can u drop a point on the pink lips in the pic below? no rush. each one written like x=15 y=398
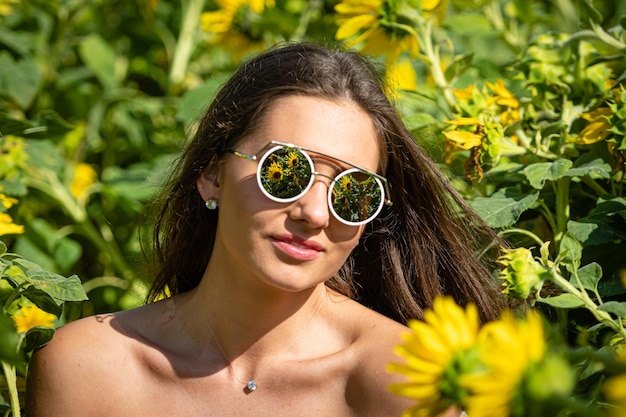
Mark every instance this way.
x=297 y=248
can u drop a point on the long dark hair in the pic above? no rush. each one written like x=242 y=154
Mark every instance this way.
x=426 y=244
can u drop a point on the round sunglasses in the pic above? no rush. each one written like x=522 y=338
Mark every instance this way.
x=286 y=172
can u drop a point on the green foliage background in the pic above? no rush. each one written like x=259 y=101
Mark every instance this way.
x=118 y=85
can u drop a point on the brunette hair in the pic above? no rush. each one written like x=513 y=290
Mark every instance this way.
x=426 y=244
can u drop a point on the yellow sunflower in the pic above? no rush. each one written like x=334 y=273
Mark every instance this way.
x=597 y=128
x=84 y=178
x=615 y=389
x=223 y=25
x=274 y=172
x=31 y=316
x=293 y=159
x=505 y=99
x=436 y=353
x=366 y=21
x=465 y=139
x=508 y=348
x=7 y=227
x=345 y=183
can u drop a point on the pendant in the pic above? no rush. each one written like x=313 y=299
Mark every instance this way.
x=251 y=385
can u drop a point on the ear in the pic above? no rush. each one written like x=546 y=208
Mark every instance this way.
x=208 y=182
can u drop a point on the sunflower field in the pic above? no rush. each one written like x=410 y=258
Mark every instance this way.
x=521 y=103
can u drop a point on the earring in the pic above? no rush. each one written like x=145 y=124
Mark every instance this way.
x=211 y=204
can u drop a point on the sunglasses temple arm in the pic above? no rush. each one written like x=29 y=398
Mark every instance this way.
x=243 y=155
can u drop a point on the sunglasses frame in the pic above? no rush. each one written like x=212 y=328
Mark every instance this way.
x=273 y=145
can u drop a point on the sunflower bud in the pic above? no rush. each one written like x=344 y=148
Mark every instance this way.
x=522 y=274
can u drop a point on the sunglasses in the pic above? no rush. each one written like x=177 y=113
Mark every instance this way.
x=286 y=172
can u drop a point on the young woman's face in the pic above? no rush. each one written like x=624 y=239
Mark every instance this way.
x=296 y=245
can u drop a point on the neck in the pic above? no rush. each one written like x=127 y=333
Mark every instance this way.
x=253 y=323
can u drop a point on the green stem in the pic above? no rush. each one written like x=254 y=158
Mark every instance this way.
x=562 y=208
x=192 y=9
x=594 y=185
x=305 y=19
x=426 y=41
x=16 y=292
x=601 y=316
x=11 y=377
x=521 y=232
x=48 y=183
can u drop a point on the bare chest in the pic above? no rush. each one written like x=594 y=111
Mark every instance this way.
x=312 y=388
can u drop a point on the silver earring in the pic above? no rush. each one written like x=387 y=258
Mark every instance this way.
x=211 y=204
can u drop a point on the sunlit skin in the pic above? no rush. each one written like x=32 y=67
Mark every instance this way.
x=259 y=294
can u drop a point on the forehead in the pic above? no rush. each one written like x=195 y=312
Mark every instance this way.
x=337 y=128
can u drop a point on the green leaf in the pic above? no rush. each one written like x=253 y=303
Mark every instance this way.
x=459 y=66
x=590 y=164
x=537 y=174
x=570 y=252
x=614 y=307
x=19 y=80
x=590 y=232
x=9 y=340
x=42 y=300
x=37 y=337
x=589 y=276
x=57 y=286
x=100 y=58
x=504 y=207
x=195 y=101
x=563 y=301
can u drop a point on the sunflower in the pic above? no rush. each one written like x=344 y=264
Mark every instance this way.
x=615 y=388
x=508 y=348
x=7 y=227
x=598 y=126
x=31 y=316
x=84 y=178
x=274 y=172
x=371 y=22
x=293 y=159
x=345 y=183
x=231 y=24
x=437 y=352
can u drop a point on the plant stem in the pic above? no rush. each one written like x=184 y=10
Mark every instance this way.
x=601 y=316
x=192 y=9
x=11 y=378
x=562 y=208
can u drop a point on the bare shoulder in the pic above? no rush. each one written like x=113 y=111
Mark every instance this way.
x=373 y=338
x=368 y=391
x=66 y=377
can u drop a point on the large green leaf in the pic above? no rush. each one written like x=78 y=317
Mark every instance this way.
x=9 y=340
x=589 y=276
x=19 y=80
x=58 y=287
x=590 y=164
x=563 y=301
x=100 y=58
x=504 y=207
x=537 y=174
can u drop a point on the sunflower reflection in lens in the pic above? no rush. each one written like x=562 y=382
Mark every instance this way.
x=356 y=196
x=285 y=173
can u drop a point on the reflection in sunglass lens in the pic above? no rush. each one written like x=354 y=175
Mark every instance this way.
x=285 y=172
x=356 y=196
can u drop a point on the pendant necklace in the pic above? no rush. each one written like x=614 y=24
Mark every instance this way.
x=252 y=385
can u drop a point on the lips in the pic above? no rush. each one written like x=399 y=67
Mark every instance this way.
x=297 y=248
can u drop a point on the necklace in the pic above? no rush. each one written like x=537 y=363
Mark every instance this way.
x=252 y=385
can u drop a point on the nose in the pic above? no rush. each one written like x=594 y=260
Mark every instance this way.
x=312 y=207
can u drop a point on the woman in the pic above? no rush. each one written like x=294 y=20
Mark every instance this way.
x=301 y=228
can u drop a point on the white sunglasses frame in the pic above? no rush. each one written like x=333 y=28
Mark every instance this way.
x=272 y=146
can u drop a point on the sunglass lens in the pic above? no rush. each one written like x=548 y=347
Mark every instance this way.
x=285 y=173
x=356 y=196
